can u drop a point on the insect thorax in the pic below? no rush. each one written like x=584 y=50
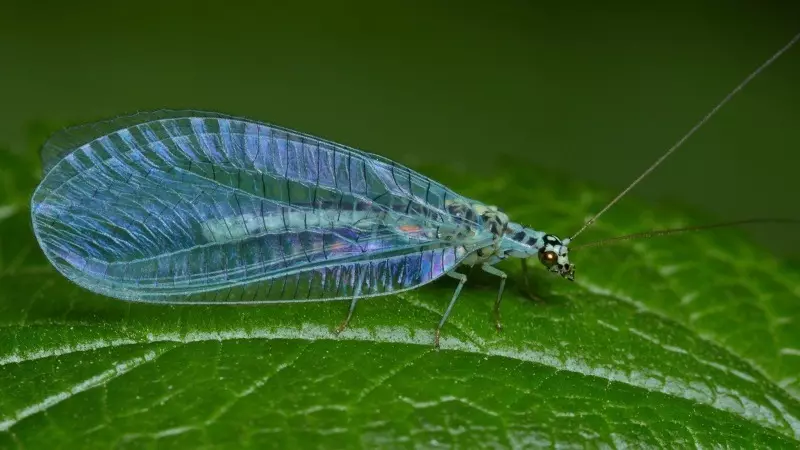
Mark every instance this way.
x=510 y=239
x=481 y=219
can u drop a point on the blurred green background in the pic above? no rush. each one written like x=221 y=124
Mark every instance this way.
x=597 y=92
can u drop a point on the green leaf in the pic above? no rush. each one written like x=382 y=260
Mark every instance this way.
x=681 y=341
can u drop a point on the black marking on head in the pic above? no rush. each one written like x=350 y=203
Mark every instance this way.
x=550 y=239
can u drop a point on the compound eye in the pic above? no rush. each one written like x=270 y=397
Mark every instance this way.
x=548 y=258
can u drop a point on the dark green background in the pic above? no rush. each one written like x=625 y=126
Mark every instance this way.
x=597 y=92
x=691 y=341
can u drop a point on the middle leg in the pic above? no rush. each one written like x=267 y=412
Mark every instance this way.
x=497 y=272
x=461 y=280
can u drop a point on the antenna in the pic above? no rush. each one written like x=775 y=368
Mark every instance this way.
x=654 y=233
x=697 y=126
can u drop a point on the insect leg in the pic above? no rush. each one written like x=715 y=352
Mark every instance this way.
x=461 y=280
x=344 y=323
x=525 y=283
x=495 y=271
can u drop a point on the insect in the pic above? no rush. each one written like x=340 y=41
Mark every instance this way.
x=195 y=207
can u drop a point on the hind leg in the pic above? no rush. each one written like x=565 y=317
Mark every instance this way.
x=346 y=320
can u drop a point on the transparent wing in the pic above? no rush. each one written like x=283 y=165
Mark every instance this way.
x=197 y=207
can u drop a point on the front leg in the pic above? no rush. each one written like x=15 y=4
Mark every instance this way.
x=495 y=271
x=525 y=283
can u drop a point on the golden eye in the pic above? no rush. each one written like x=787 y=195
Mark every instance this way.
x=548 y=258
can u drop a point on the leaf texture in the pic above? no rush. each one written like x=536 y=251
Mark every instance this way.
x=686 y=341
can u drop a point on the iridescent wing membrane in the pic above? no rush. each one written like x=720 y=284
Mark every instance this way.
x=193 y=207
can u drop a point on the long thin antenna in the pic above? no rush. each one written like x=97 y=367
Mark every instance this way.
x=697 y=126
x=654 y=233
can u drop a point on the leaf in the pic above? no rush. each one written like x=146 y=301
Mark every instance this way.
x=682 y=341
